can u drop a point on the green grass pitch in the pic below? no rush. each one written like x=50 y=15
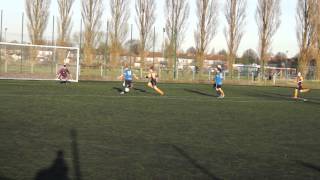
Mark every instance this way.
x=254 y=133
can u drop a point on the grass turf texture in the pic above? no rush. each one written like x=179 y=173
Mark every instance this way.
x=254 y=133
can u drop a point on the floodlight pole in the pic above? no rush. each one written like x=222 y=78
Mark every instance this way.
x=106 y=57
x=154 y=41
x=1 y=26
x=21 y=53
x=163 y=43
x=130 y=48
x=1 y=31
x=52 y=43
x=80 y=38
x=175 y=54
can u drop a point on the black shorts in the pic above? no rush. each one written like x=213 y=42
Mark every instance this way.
x=217 y=86
x=128 y=83
x=299 y=87
x=153 y=82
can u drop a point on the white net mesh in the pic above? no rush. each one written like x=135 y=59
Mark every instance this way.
x=37 y=62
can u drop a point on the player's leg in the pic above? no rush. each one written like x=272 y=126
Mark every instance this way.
x=296 y=92
x=304 y=90
x=221 y=92
x=128 y=86
x=158 y=90
x=215 y=87
x=150 y=85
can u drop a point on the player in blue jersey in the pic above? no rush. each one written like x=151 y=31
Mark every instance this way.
x=218 y=78
x=127 y=77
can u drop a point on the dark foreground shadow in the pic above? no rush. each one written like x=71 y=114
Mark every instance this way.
x=199 y=92
x=119 y=90
x=75 y=154
x=277 y=96
x=4 y=178
x=58 y=169
x=309 y=165
x=140 y=90
x=194 y=162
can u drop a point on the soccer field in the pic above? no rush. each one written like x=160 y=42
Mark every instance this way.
x=254 y=133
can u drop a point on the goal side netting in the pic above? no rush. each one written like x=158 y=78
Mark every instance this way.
x=37 y=62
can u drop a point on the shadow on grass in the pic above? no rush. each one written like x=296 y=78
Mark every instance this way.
x=277 y=96
x=192 y=161
x=119 y=90
x=75 y=153
x=309 y=165
x=140 y=90
x=199 y=92
x=4 y=178
x=58 y=169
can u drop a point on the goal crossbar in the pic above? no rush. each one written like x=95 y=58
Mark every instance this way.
x=15 y=57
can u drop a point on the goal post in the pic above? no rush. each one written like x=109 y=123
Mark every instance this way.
x=37 y=62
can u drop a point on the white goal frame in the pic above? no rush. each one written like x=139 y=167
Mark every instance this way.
x=45 y=46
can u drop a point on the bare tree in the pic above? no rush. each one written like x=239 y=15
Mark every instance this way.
x=235 y=13
x=268 y=20
x=118 y=27
x=91 y=15
x=64 y=21
x=315 y=35
x=37 y=13
x=305 y=32
x=207 y=14
x=145 y=19
x=177 y=12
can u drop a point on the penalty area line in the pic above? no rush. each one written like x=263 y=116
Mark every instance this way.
x=181 y=98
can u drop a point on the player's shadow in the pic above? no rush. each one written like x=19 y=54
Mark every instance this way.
x=308 y=165
x=140 y=90
x=119 y=90
x=194 y=162
x=75 y=154
x=266 y=95
x=58 y=169
x=277 y=96
x=199 y=92
x=4 y=178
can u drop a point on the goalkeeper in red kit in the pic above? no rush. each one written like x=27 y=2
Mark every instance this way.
x=64 y=74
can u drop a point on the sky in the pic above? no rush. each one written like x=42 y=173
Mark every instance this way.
x=284 y=40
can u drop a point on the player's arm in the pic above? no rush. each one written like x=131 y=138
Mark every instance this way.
x=135 y=77
x=148 y=76
x=69 y=74
x=121 y=77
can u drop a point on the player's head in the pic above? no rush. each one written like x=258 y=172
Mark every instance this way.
x=299 y=74
x=64 y=65
x=151 y=68
x=126 y=65
x=219 y=68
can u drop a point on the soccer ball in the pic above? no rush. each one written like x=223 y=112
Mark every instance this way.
x=126 y=89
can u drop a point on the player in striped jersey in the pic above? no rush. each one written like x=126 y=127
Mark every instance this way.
x=299 y=88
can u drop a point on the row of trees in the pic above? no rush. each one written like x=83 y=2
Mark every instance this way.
x=268 y=14
x=308 y=34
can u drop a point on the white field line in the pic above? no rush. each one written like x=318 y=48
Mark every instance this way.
x=183 y=98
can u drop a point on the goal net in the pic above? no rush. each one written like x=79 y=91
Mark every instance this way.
x=37 y=62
